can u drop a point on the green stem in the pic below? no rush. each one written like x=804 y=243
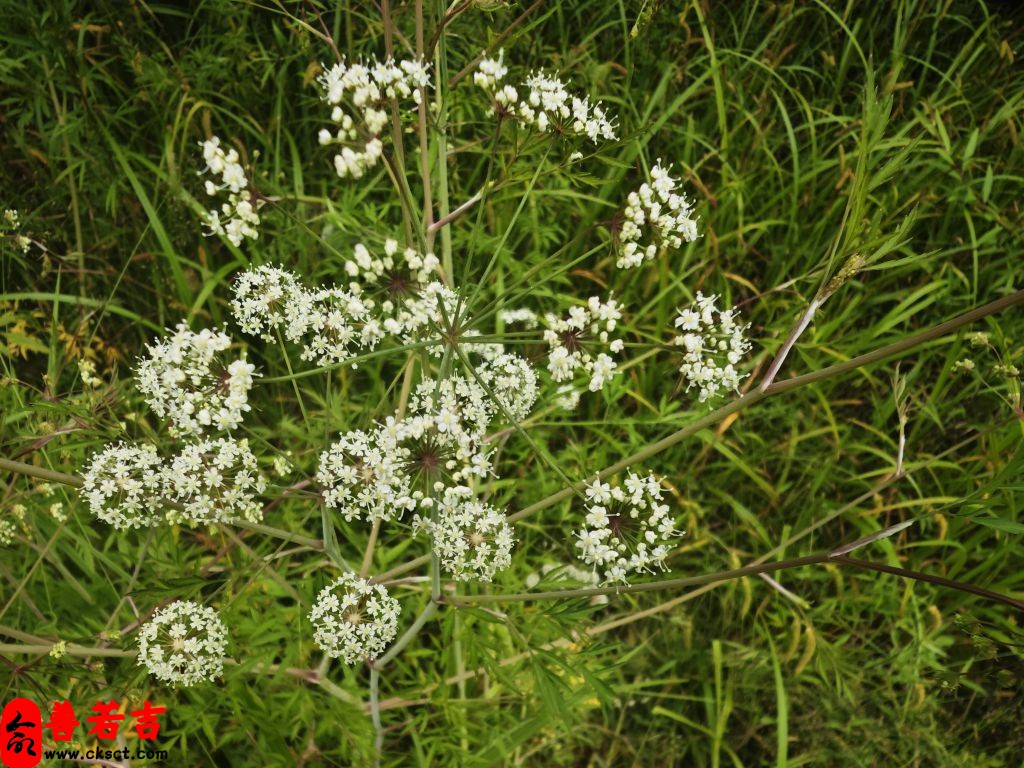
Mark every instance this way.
x=688 y=581
x=71 y=650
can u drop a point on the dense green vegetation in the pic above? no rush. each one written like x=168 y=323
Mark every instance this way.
x=867 y=152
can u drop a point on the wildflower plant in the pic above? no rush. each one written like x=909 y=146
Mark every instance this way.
x=389 y=412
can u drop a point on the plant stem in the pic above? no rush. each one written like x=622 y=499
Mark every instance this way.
x=71 y=650
x=30 y=470
x=688 y=581
x=942 y=582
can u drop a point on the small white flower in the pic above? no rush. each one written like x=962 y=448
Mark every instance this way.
x=656 y=217
x=214 y=481
x=363 y=478
x=577 y=342
x=8 y=530
x=183 y=644
x=461 y=402
x=123 y=485
x=354 y=619
x=360 y=95
x=713 y=345
x=544 y=102
x=627 y=529
x=264 y=300
x=186 y=379
x=473 y=540
x=237 y=217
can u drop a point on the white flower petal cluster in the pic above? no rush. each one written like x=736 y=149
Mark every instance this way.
x=544 y=102
x=656 y=216
x=363 y=478
x=713 y=343
x=433 y=444
x=214 y=481
x=10 y=223
x=187 y=379
x=571 y=341
x=183 y=644
x=333 y=325
x=386 y=297
x=360 y=96
x=354 y=619
x=627 y=528
x=264 y=300
x=237 y=217
x=465 y=401
x=519 y=316
x=123 y=485
x=473 y=540
x=403 y=285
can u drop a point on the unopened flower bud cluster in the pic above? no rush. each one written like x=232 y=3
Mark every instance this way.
x=10 y=223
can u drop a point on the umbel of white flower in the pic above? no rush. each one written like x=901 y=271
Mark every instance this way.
x=183 y=644
x=353 y=619
x=544 y=102
x=574 y=342
x=656 y=216
x=472 y=540
x=713 y=344
x=214 y=481
x=123 y=485
x=332 y=324
x=363 y=479
x=237 y=218
x=359 y=96
x=505 y=388
x=627 y=528
x=189 y=379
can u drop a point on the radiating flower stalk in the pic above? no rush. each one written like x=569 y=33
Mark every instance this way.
x=427 y=466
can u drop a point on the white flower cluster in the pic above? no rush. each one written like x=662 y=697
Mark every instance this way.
x=386 y=296
x=183 y=644
x=520 y=316
x=237 y=217
x=186 y=379
x=627 y=528
x=214 y=481
x=264 y=300
x=11 y=221
x=402 y=285
x=360 y=95
x=123 y=485
x=354 y=619
x=543 y=101
x=570 y=341
x=463 y=402
x=363 y=478
x=713 y=344
x=656 y=216
x=473 y=540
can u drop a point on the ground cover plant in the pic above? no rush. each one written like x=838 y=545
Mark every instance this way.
x=532 y=384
